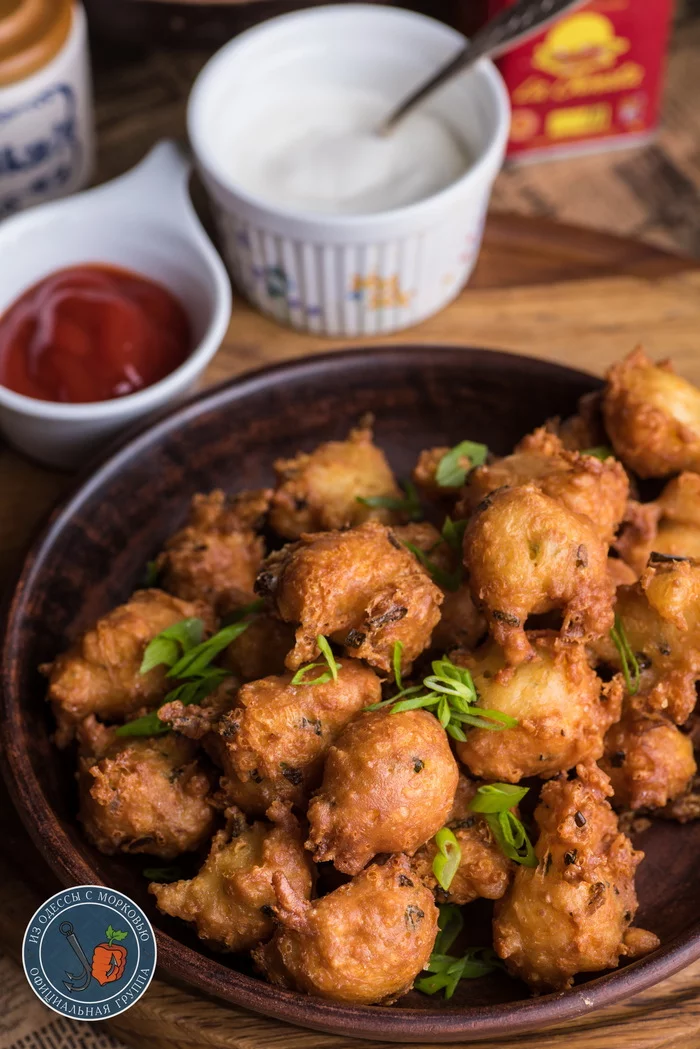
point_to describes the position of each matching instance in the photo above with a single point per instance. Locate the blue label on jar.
(40, 151)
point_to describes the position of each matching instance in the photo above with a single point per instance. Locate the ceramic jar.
(46, 112)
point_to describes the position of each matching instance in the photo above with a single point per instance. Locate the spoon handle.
(512, 26)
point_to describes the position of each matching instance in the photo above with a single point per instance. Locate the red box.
(591, 80)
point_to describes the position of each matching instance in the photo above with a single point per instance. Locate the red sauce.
(91, 333)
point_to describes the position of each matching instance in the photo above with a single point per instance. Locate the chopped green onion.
(328, 656)
(494, 801)
(601, 451)
(245, 610)
(167, 647)
(450, 694)
(180, 647)
(397, 658)
(448, 857)
(300, 676)
(331, 674)
(198, 658)
(187, 693)
(492, 720)
(410, 504)
(630, 663)
(452, 680)
(414, 703)
(148, 725)
(446, 969)
(450, 925)
(450, 473)
(163, 874)
(497, 797)
(453, 533)
(150, 577)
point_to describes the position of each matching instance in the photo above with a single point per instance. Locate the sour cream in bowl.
(320, 153)
(326, 225)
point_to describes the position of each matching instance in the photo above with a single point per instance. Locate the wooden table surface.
(540, 289)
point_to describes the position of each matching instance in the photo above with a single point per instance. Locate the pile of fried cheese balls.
(337, 708)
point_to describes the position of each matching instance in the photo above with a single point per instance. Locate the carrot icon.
(109, 958)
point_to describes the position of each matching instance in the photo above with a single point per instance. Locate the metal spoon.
(512, 26)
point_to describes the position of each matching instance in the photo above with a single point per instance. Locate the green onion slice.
(331, 674)
(497, 797)
(494, 801)
(180, 647)
(601, 451)
(150, 576)
(630, 663)
(453, 533)
(397, 659)
(450, 694)
(410, 504)
(448, 857)
(450, 472)
(197, 659)
(167, 647)
(450, 925)
(163, 874)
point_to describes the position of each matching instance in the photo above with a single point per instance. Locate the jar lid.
(32, 32)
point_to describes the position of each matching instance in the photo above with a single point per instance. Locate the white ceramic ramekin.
(145, 222)
(350, 275)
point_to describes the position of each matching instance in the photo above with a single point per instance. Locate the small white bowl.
(349, 275)
(144, 222)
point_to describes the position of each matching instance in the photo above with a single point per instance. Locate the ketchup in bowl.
(91, 333)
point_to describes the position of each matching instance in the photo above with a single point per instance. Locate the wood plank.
(589, 322)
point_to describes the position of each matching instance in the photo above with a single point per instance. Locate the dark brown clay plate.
(93, 553)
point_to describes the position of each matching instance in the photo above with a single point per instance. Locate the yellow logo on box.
(582, 44)
(578, 121)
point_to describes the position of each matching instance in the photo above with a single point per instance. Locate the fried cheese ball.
(526, 553)
(216, 556)
(686, 807)
(652, 416)
(363, 943)
(197, 720)
(99, 674)
(562, 707)
(360, 587)
(620, 572)
(461, 624)
(230, 900)
(670, 525)
(261, 649)
(388, 785)
(573, 912)
(279, 733)
(145, 795)
(484, 869)
(649, 761)
(635, 540)
(584, 429)
(319, 492)
(585, 485)
(660, 616)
